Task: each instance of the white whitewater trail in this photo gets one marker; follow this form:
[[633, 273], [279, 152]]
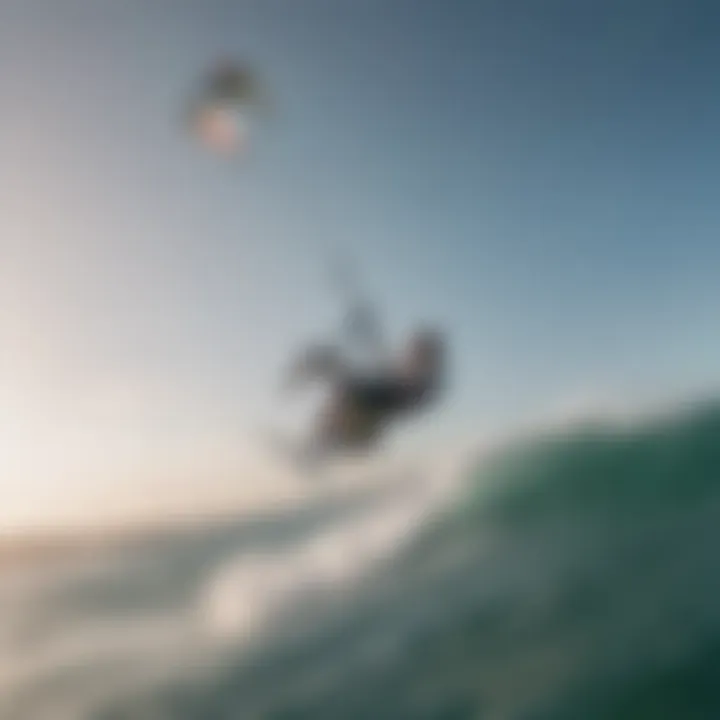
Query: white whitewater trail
[[250, 591]]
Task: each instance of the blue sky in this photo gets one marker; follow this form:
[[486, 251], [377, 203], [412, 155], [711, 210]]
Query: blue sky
[[540, 178]]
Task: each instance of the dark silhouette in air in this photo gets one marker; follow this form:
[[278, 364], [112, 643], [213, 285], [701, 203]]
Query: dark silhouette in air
[[365, 399]]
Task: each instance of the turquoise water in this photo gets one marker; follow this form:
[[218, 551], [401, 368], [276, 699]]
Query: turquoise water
[[574, 574]]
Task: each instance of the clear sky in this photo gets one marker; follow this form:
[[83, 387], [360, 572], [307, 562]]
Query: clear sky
[[539, 177]]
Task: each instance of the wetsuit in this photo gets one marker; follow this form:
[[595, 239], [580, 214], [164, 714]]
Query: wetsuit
[[362, 406]]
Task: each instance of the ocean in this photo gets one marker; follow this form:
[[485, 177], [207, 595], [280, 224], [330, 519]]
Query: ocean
[[572, 573]]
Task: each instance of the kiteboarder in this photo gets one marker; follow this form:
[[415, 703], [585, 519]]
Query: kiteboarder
[[364, 400]]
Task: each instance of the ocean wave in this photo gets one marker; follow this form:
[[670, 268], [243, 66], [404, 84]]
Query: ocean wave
[[571, 574]]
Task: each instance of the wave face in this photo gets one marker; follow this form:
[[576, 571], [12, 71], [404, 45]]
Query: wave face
[[573, 574]]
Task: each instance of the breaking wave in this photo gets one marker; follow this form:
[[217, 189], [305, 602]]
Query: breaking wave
[[571, 574]]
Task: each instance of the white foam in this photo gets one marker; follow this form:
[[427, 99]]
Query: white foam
[[247, 592]]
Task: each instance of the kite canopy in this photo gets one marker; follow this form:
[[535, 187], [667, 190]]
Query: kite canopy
[[225, 108], [232, 83]]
